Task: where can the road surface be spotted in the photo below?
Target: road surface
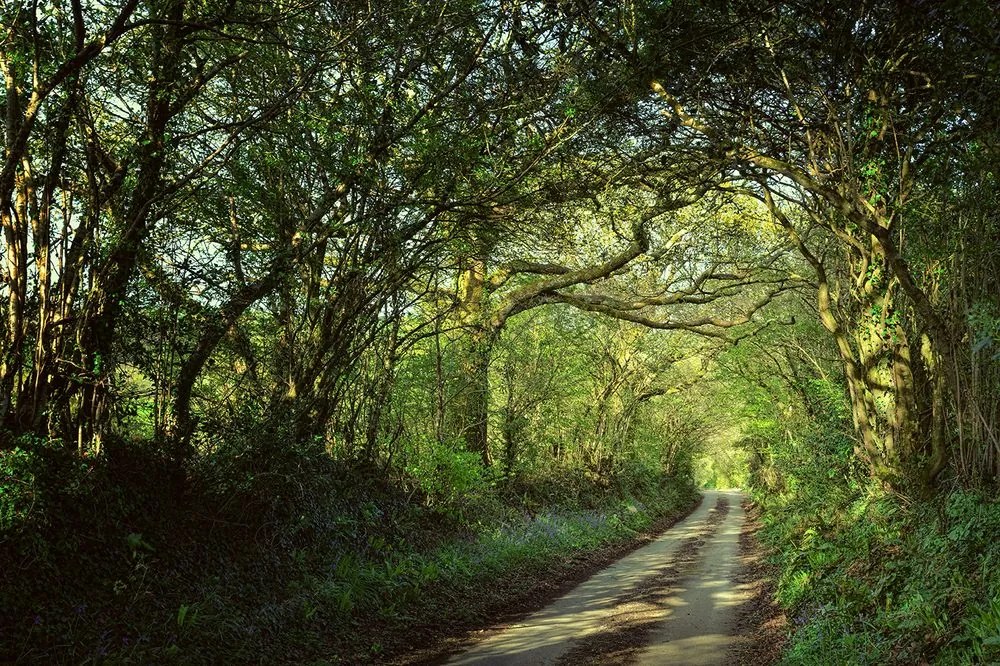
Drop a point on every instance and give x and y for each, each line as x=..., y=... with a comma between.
x=672, y=601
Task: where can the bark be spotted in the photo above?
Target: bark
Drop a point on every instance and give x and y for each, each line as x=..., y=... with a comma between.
x=473, y=403
x=212, y=333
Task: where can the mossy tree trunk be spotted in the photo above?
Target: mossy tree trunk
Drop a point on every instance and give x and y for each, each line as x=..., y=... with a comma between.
x=472, y=403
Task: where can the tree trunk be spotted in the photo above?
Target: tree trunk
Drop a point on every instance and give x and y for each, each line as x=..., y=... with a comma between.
x=211, y=336
x=473, y=402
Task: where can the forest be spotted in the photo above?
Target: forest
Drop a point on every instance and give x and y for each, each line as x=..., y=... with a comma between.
x=331, y=328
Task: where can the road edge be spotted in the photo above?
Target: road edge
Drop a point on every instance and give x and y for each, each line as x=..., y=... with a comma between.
x=459, y=639
x=761, y=627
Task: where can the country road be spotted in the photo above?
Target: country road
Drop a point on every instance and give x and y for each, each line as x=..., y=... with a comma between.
x=672, y=601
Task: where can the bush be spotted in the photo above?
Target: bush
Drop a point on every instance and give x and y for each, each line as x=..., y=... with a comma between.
x=450, y=478
x=268, y=549
x=869, y=576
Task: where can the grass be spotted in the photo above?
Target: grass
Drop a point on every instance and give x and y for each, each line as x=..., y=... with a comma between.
x=870, y=577
x=284, y=555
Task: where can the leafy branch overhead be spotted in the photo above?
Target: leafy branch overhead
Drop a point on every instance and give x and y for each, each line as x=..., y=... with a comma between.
x=318, y=316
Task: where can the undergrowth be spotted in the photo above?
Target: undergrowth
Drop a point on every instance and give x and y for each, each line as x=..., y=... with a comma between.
x=266, y=552
x=869, y=576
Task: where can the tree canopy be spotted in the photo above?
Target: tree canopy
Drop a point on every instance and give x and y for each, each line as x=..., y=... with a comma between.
x=509, y=242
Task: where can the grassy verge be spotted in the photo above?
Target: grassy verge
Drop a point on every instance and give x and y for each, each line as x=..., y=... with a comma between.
x=868, y=576
x=284, y=556
x=872, y=580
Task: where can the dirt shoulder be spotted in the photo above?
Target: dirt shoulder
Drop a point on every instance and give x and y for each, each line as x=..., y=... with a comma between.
x=761, y=625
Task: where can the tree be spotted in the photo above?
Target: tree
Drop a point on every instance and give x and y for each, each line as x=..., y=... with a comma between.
x=835, y=112
x=664, y=273
x=96, y=152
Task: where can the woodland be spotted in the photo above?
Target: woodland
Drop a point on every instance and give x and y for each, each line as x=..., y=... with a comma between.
x=321, y=317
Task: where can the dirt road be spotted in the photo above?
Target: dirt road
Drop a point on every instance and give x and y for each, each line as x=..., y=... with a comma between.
x=671, y=602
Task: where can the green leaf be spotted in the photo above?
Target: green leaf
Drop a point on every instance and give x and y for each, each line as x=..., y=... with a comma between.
x=981, y=344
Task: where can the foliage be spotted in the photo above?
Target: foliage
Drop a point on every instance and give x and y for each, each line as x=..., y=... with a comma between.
x=869, y=576
x=275, y=556
x=869, y=582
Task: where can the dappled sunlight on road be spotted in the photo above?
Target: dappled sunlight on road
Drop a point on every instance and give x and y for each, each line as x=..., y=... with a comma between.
x=699, y=632
x=675, y=593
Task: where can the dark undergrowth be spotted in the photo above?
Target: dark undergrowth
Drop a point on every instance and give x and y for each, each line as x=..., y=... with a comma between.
x=281, y=553
x=869, y=580
x=869, y=576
